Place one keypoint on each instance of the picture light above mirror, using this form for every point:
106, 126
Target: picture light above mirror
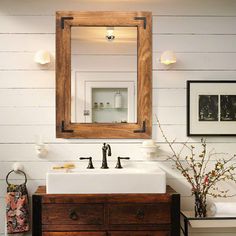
103, 75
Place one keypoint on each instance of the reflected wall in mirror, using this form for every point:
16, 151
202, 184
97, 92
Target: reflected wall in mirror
103, 75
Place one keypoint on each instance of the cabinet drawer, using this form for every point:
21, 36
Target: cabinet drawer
75, 234
139, 233
139, 214
70, 214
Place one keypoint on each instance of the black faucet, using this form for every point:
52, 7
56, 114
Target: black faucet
106, 151
118, 164
90, 164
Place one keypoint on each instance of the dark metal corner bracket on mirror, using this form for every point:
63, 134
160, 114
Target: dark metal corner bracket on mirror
63, 18
104, 74
63, 130
142, 130
143, 19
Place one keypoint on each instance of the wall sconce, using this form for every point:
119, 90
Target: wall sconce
17, 167
149, 148
110, 34
42, 57
168, 57
40, 147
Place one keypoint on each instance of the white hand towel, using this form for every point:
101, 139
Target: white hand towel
223, 209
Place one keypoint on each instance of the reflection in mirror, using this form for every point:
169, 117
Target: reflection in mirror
103, 74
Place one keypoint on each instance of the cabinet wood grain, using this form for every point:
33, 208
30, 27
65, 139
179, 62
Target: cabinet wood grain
106, 214
142, 233
139, 214
83, 214
75, 234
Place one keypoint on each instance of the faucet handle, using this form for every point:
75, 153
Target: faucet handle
118, 164
90, 164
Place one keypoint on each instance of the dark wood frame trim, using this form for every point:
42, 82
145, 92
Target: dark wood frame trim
63, 75
189, 82
37, 215
175, 214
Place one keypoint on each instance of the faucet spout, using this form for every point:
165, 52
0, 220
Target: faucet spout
109, 150
106, 150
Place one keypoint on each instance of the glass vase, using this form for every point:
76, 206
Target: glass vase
200, 204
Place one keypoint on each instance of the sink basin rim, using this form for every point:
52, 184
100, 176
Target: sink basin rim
108, 181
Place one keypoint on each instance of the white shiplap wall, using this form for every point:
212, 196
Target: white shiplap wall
202, 33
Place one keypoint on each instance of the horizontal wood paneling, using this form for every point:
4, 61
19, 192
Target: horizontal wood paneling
27, 24
169, 97
172, 7
165, 115
59, 152
46, 97
64, 152
26, 134
161, 25
194, 43
178, 43
186, 61
27, 79
27, 97
177, 79
32, 42
203, 35
161, 79
22, 61
179, 133
46, 115
194, 25
27, 115
34, 170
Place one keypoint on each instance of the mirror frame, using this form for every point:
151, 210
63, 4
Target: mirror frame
64, 127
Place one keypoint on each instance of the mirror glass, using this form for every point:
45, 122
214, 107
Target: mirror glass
103, 74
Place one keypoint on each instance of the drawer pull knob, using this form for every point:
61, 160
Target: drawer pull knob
140, 214
73, 215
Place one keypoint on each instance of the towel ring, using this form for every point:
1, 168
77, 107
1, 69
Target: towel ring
20, 171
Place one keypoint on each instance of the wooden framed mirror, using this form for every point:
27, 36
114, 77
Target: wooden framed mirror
103, 75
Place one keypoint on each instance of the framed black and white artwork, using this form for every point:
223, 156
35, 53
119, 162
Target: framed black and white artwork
211, 108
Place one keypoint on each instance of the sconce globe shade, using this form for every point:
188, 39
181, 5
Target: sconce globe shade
168, 57
110, 34
42, 57
17, 166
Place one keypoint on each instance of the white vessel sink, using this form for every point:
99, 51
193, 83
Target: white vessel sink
98, 181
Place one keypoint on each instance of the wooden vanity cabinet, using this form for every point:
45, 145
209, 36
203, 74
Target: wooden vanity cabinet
118, 233
106, 214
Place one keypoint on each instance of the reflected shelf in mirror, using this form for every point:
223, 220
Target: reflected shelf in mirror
109, 108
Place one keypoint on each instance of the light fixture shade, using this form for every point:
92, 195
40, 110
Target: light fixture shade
42, 57
168, 57
110, 34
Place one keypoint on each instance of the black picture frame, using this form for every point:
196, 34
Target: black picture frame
217, 122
